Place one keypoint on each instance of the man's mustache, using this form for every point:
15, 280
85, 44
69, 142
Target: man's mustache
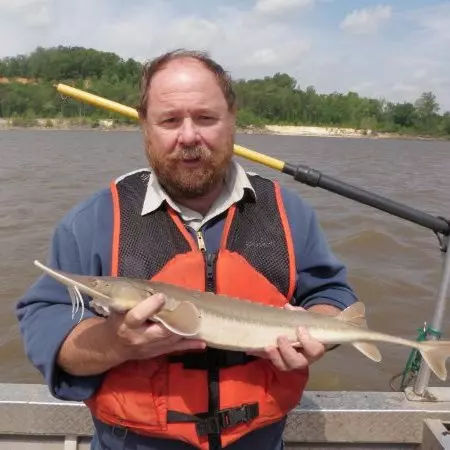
193, 152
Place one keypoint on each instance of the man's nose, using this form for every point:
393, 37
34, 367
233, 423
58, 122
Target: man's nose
188, 133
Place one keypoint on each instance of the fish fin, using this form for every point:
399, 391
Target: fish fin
99, 308
435, 353
354, 314
183, 320
369, 350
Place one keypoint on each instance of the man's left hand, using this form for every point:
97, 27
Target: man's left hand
285, 357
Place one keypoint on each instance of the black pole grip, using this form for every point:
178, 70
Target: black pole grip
314, 178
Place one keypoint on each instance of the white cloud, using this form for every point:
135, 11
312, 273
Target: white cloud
276, 58
31, 12
435, 20
420, 74
410, 57
18, 6
193, 32
363, 87
399, 86
281, 7
366, 20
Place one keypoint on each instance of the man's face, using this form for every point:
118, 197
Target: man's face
189, 131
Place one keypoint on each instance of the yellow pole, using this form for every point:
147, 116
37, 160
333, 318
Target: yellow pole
96, 100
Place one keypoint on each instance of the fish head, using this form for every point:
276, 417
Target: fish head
118, 294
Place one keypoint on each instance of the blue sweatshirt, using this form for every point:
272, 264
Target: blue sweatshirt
81, 243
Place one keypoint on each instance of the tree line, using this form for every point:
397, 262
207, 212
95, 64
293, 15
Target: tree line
27, 92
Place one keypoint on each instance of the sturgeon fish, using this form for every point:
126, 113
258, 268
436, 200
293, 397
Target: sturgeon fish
235, 324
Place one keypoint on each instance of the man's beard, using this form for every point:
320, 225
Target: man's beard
180, 181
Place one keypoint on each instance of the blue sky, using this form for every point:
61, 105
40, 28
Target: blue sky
393, 50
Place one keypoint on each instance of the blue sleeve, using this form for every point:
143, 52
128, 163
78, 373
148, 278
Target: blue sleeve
80, 244
321, 277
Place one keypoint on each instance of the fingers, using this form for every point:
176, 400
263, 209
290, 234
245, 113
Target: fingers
311, 348
140, 339
285, 357
137, 316
280, 355
156, 333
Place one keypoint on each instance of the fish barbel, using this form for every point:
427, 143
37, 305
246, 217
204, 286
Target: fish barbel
235, 324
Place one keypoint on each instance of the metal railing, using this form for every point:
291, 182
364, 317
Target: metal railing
388, 420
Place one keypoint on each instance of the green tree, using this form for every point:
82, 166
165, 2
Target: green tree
427, 109
277, 99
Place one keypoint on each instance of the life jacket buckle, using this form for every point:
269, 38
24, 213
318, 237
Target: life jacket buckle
226, 418
208, 425
235, 416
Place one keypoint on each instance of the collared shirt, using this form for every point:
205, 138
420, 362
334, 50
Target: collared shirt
236, 183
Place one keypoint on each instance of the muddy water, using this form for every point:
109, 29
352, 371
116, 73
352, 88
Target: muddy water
394, 265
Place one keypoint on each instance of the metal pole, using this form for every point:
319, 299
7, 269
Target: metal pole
314, 178
423, 376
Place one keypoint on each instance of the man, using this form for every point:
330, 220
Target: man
196, 220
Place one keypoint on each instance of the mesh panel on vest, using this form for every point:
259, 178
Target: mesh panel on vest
257, 234
145, 245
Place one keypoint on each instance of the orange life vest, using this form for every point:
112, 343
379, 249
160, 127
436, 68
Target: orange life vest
206, 398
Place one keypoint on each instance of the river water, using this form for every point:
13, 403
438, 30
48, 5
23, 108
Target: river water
394, 265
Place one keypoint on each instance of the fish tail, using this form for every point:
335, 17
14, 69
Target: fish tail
435, 354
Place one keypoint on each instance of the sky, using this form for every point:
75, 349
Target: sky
392, 50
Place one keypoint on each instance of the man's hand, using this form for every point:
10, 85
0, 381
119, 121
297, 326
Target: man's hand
138, 338
285, 357
97, 344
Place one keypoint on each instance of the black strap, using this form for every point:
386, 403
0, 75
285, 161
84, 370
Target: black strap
222, 358
215, 442
213, 424
212, 359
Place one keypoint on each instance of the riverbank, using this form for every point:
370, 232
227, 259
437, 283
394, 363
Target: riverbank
336, 132
282, 130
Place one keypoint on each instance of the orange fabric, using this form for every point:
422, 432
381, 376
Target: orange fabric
116, 229
138, 394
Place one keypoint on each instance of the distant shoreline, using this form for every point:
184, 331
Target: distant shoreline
277, 130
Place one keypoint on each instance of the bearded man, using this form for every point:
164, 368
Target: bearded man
193, 218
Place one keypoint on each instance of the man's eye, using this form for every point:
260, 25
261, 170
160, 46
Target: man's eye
206, 118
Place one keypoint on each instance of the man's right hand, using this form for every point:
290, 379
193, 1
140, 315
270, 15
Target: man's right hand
139, 338
97, 344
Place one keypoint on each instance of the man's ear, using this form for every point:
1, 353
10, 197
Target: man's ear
143, 126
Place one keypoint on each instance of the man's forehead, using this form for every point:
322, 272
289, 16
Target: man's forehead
181, 69
188, 79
